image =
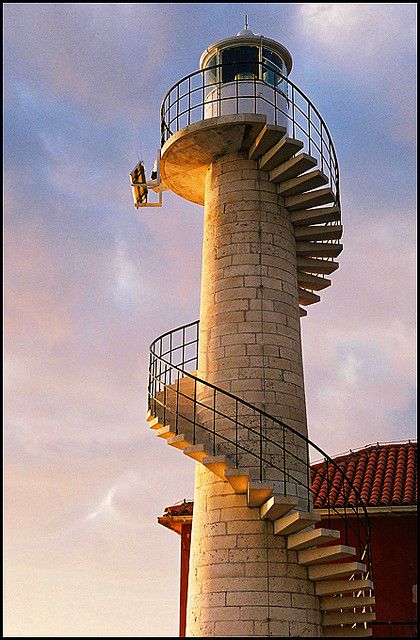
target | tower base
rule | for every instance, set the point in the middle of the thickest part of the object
(243, 581)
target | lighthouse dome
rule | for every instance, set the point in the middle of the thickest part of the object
(246, 32)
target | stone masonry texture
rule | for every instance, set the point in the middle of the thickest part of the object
(243, 581)
(250, 342)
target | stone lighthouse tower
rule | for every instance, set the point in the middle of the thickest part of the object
(241, 139)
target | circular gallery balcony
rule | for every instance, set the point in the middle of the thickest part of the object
(260, 90)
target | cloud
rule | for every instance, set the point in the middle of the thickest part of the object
(359, 35)
(373, 46)
(72, 573)
(103, 60)
(358, 345)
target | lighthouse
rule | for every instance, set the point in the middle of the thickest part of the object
(239, 138)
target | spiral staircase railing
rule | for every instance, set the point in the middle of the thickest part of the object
(192, 98)
(173, 357)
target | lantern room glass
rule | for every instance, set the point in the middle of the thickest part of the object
(243, 63)
(239, 63)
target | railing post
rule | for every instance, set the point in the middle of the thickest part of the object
(309, 127)
(154, 385)
(359, 535)
(203, 98)
(149, 382)
(261, 449)
(164, 402)
(169, 109)
(183, 348)
(195, 410)
(328, 492)
(308, 476)
(331, 173)
(219, 95)
(293, 111)
(284, 459)
(177, 107)
(345, 509)
(236, 434)
(177, 405)
(197, 334)
(160, 359)
(189, 99)
(275, 105)
(214, 422)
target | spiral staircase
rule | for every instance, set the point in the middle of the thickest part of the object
(338, 561)
(317, 228)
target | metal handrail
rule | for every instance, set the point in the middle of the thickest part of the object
(186, 102)
(170, 355)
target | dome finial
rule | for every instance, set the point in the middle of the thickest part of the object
(246, 31)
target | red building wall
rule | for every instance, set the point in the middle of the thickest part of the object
(185, 563)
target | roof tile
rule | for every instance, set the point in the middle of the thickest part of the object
(382, 474)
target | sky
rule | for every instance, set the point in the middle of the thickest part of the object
(90, 282)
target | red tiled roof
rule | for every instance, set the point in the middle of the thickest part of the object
(383, 474)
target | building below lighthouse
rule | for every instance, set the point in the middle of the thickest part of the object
(387, 475)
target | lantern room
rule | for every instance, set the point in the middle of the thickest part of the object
(247, 73)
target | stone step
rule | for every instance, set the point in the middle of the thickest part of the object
(302, 312)
(179, 441)
(180, 392)
(316, 265)
(346, 632)
(346, 617)
(310, 199)
(258, 493)
(327, 571)
(250, 133)
(149, 416)
(349, 602)
(312, 538)
(217, 464)
(319, 232)
(197, 452)
(309, 281)
(325, 554)
(185, 420)
(238, 479)
(332, 587)
(184, 384)
(322, 249)
(154, 423)
(295, 521)
(315, 216)
(267, 138)
(307, 297)
(165, 432)
(276, 507)
(305, 182)
(292, 168)
(279, 153)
